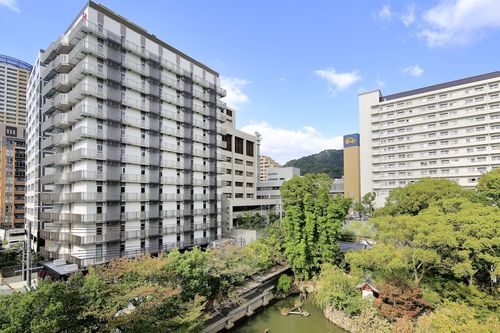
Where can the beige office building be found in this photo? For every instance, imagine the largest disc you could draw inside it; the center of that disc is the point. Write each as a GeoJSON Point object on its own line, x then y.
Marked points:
{"type": "Point", "coordinates": [449, 130]}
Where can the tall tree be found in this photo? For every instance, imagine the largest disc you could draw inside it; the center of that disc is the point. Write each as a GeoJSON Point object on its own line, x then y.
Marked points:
{"type": "Point", "coordinates": [312, 223]}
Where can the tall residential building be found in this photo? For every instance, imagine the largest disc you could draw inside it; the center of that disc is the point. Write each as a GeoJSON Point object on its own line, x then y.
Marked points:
{"type": "Point", "coordinates": [352, 184]}
{"type": "Point", "coordinates": [266, 163]}
{"type": "Point", "coordinates": [33, 153]}
{"type": "Point", "coordinates": [14, 75]}
{"type": "Point", "coordinates": [130, 156]}
{"type": "Point", "coordinates": [12, 180]}
{"type": "Point", "coordinates": [450, 130]}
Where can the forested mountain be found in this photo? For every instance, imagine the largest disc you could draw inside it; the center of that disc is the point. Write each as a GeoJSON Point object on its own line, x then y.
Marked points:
{"type": "Point", "coordinates": [330, 161]}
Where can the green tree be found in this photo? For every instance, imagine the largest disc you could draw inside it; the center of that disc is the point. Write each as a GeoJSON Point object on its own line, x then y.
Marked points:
{"type": "Point", "coordinates": [368, 202]}
{"type": "Point", "coordinates": [456, 317]}
{"type": "Point", "coordinates": [312, 223]}
{"type": "Point", "coordinates": [417, 196]}
{"type": "Point", "coordinates": [488, 188]}
{"type": "Point", "coordinates": [338, 290]}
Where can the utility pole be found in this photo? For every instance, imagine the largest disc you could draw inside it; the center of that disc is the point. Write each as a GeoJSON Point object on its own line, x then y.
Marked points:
{"type": "Point", "coordinates": [28, 256]}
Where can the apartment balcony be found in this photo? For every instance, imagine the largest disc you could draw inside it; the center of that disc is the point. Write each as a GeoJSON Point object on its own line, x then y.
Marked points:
{"type": "Point", "coordinates": [108, 237]}
{"type": "Point", "coordinates": [140, 196]}
{"type": "Point", "coordinates": [172, 131]}
{"type": "Point", "coordinates": [82, 49]}
{"type": "Point", "coordinates": [59, 120]}
{"type": "Point", "coordinates": [172, 99]}
{"type": "Point", "coordinates": [61, 102]}
{"type": "Point", "coordinates": [201, 241]}
{"type": "Point", "coordinates": [221, 92]}
{"type": "Point", "coordinates": [171, 230]}
{"type": "Point", "coordinates": [174, 165]}
{"type": "Point", "coordinates": [55, 140]}
{"type": "Point", "coordinates": [171, 197]}
{"type": "Point", "coordinates": [171, 82]}
{"type": "Point", "coordinates": [176, 180]}
{"type": "Point", "coordinates": [82, 110]}
{"type": "Point", "coordinates": [55, 235]}
{"type": "Point", "coordinates": [49, 253]}
{"type": "Point", "coordinates": [61, 45]}
{"type": "Point", "coordinates": [151, 178]}
{"type": "Point", "coordinates": [133, 216]}
{"type": "Point", "coordinates": [87, 89]}
{"type": "Point", "coordinates": [176, 213]}
{"type": "Point", "coordinates": [86, 67]}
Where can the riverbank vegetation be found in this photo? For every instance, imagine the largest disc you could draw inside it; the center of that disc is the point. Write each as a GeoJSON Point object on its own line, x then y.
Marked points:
{"type": "Point", "coordinates": [173, 292]}
{"type": "Point", "coordinates": [436, 260]}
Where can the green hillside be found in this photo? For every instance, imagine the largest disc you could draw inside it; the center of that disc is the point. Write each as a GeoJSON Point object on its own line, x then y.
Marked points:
{"type": "Point", "coordinates": [330, 161]}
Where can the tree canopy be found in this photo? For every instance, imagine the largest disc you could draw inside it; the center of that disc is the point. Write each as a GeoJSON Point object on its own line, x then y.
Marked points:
{"type": "Point", "coordinates": [413, 198]}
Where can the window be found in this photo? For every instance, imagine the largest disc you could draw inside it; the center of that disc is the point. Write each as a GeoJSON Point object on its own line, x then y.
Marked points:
{"type": "Point", "coordinates": [249, 148]}
{"type": "Point", "coordinates": [238, 145]}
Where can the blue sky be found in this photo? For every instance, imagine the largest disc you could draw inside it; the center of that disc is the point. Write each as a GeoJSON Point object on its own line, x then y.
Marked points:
{"type": "Point", "coordinates": [293, 69]}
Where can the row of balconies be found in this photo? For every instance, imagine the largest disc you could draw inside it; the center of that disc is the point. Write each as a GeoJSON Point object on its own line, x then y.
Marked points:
{"type": "Point", "coordinates": [458, 103]}
{"type": "Point", "coordinates": [80, 175]}
{"type": "Point", "coordinates": [117, 216]}
{"type": "Point", "coordinates": [441, 114]}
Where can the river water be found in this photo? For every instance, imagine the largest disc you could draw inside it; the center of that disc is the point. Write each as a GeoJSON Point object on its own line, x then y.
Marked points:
{"type": "Point", "coordinates": [270, 318]}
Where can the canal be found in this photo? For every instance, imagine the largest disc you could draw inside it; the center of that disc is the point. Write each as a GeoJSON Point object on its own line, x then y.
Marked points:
{"type": "Point", "coordinates": [270, 318]}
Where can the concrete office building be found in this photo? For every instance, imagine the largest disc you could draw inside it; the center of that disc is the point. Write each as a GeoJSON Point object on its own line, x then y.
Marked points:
{"type": "Point", "coordinates": [266, 163]}
{"type": "Point", "coordinates": [14, 75]}
{"type": "Point", "coordinates": [131, 149]}
{"type": "Point", "coordinates": [239, 191]}
{"type": "Point", "coordinates": [450, 130]}
{"type": "Point", "coordinates": [352, 186]}
{"type": "Point", "coordinates": [270, 189]}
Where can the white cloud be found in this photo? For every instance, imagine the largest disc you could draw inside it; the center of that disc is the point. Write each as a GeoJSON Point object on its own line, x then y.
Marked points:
{"type": "Point", "coordinates": [459, 22]}
{"type": "Point", "coordinates": [385, 12]}
{"type": "Point", "coordinates": [380, 83]}
{"type": "Point", "coordinates": [338, 81]}
{"type": "Point", "coordinates": [286, 144]}
{"type": "Point", "coordinates": [413, 70]}
{"type": "Point", "coordinates": [408, 17]}
{"type": "Point", "coordinates": [11, 4]}
{"type": "Point", "coordinates": [234, 88]}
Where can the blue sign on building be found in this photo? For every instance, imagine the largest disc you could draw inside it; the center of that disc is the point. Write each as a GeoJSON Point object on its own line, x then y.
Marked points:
{"type": "Point", "coordinates": [351, 140]}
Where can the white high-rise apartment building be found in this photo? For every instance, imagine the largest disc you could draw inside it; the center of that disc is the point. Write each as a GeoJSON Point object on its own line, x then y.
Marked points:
{"type": "Point", "coordinates": [450, 130]}
{"type": "Point", "coordinates": [131, 149]}
{"type": "Point", "coordinates": [33, 153]}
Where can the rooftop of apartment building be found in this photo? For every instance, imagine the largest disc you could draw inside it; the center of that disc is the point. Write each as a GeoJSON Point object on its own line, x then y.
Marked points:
{"type": "Point", "coordinates": [439, 86]}
{"type": "Point", "coordinates": [108, 12]}
{"type": "Point", "coordinates": [15, 62]}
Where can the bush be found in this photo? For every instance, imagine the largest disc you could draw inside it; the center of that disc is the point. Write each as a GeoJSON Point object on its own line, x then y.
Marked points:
{"type": "Point", "coordinates": [284, 283]}
{"type": "Point", "coordinates": [337, 289]}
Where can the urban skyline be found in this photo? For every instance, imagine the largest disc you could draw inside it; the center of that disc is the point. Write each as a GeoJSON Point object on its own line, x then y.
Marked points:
{"type": "Point", "coordinates": [407, 42]}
